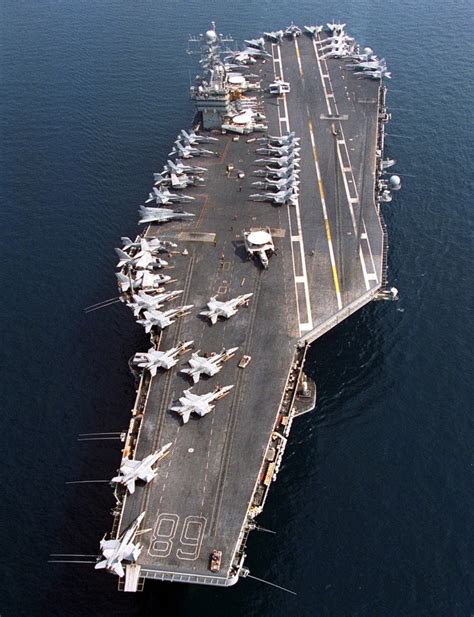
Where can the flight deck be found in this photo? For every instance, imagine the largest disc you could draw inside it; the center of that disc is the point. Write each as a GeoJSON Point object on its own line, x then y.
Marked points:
{"type": "Point", "coordinates": [328, 262]}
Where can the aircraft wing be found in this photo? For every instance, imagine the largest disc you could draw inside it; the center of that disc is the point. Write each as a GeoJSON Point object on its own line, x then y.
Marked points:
{"type": "Point", "coordinates": [128, 466]}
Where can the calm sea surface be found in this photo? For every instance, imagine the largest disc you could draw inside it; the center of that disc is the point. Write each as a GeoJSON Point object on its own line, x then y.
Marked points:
{"type": "Point", "coordinates": [374, 504]}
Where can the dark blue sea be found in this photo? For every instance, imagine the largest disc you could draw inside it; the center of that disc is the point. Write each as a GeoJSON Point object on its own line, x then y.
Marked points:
{"type": "Point", "coordinates": [374, 504]}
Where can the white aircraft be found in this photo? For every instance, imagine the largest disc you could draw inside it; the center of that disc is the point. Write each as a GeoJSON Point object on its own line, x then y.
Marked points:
{"type": "Point", "coordinates": [187, 152]}
{"type": "Point", "coordinates": [128, 282]}
{"type": "Point", "coordinates": [154, 359]}
{"type": "Point", "coordinates": [369, 65]}
{"type": "Point", "coordinates": [374, 74]}
{"type": "Point", "coordinates": [282, 172]}
{"type": "Point", "coordinates": [124, 548]}
{"type": "Point", "coordinates": [193, 138]}
{"type": "Point", "coordinates": [133, 470]}
{"type": "Point", "coordinates": [140, 260]}
{"type": "Point", "coordinates": [278, 140]}
{"type": "Point", "coordinates": [292, 31]}
{"type": "Point", "coordinates": [147, 244]}
{"type": "Point", "coordinates": [162, 319]}
{"type": "Point", "coordinates": [282, 161]}
{"type": "Point", "coordinates": [256, 43]}
{"type": "Point", "coordinates": [336, 28]}
{"type": "Point", "coordinates": [207, 365]}
{"type": "Point", "coordinates": [220, 308]}
{"type": "Point", "coordinates": [178, 167]}
{"type": "Point", "coordinates": [161, 215]}
{"type": "Point", "coordinates": [164, 197]}
{"type": "Point", "coordinates": [280, 198]}
{"type": "Point", "coordinates": [270, 150]}
{"type": "Point", "coordinates": [275, 36]}
{"type": "Point", "coordinates": [200, 404]}
{"type": "Point", "coordinates": [281, 184]}
{"type": "Point", "coordinates": [143, 301]}
{"type": "Point", "coordinates": [314, 30]}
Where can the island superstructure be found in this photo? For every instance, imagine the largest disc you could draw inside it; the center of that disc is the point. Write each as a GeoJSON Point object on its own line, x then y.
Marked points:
{"type": "Point", "coordinates": [263, 232]}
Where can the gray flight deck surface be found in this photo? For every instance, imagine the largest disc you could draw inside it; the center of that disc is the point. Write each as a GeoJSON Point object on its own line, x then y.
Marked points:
{"type": "Point", "coordinates": [200, 499]}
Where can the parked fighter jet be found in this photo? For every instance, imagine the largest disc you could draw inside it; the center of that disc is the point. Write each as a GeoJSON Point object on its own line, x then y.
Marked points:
{"type": "Point", "coordinates": [133, 470]}
{"type": "Point", "coordinates": [162, 319]}
{"type": "Point", "coordinates": [200, 404]}
{"type": "Point", "coordinates": [155, 359]}
{"type": "Point", "coordinates": [374, 74]}
{"type": "Point", "coordinates": [336, 28]}
{"type": "Point", "coordinates": [281, 184]}
{"type": "Point", "coordinates": [369, 65]}
{"type": "Point", "coordinates": [126, 283]}
{"type": "Point", "coordinates": [256, 43]}
{"type": "Point", "coordinates": [282, 161]}
{"type": "Point", "coordinates": [193, 138]}
{"type": "Point", "coordinates": [314, 30]}
{"type": "Point", "coordinates": [280, 198]}
{"type": "Point", "coordinates": [219, 308]}
{"type": "Point", "coordinates": [280, 140]}
{"type": "Point", "coordinates": [270, 150]}
{"type": "Point", "coordinates": [144, 302]}
{"type": "Point", "coordinates": [292, 31]}
{"type": "Point", "coordinates": [283, 172]}
{"type": "Point", "coordinates": [123, 548]}
{"type": "Point", "coordinates": [164, 197]}
{"type": "Point", "coordinates": [178, 167]}
{"type": "Point", "coordinates": [161, 215]}
{"type": "Point", "coordinates": [207, 365]}
{"type": "Point", "coordinates": [275, 36]}
{"type": "Point", "coordinates": [187, 151]}
{"type": "Point", "coordinates": [140, 260]}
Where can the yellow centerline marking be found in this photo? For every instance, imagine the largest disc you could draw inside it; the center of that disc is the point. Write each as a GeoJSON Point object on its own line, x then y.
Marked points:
{"type": "Point", "coordinates": [325, 215]}
{"type": "Point", "coordinates": [298, 56]}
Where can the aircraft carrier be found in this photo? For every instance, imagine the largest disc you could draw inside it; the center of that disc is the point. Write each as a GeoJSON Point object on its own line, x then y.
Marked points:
{"type": "Point", "coordinates": [299, 267]}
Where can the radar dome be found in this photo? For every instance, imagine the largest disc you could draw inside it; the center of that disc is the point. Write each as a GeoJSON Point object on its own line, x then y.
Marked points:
{"type": "Point", "coordinates": [395, 183]}
{"type": "Point", "coordinates": [211, 36]}
{"type": "Point", "coordinates": [368, 51]}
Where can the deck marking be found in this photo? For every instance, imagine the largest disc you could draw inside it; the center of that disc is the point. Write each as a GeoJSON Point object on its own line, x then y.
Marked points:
{"type": "Point", "coordinates": [298, 56]}
{"type": "Point", "coordinates": [300, 231]}
{"type": "Point", "coordinates": [325, 216]}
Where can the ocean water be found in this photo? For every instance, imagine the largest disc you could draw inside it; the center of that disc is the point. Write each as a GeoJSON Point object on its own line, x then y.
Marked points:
{"type": "Point", "coordinates": [373, 505]}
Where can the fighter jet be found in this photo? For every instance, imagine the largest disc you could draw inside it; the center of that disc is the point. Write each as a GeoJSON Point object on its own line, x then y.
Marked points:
{"type": "Point", "coordinates": [122, 549]}
{"type": "Point", "coordinates": [280, 140]}
{"type": "Point", "coordinates": [207, 365]}
{"type": "Point", "coordinates": [144, 302]}
{"type": "Point", "coordinates": [279, 150]}
{"type": "Point", "coordinates": [314, 30]}
{"type": "Point", "coordinates": [336, 28]}
{"type": "Point", "coordinates": [275, 36]}
{"type": "Point", "coordinates": [162, 319]}
{"type": "Point", "coordinates": [219, 308]}
{"type": "Point", "coordinates": [153, 282]}
{"type": "Point", "coordinates": [281, 184]}
{"type": "Point", "coordinates": [187, 151]}
{"type": "Point", "coordinates": [292, 31]}
{"type": "Point", "coordinates": [282, 161]}
{"type": "Point", "coordinates": [161, 215]}
{"type": "Point", "coordinates": [369, 65]}
{"type": "Point", "coordinates": [178, 167]}
{"type": "Point", "coordinates": [155, 359]}
{"type": "Point", "coordinates": [374, 74]}
{"type": "Point", "coordinates": [126, 283]}
{"type": "Point", "coordinates": [200, 404]}
{"type": "Point", "coordinates": [164, 197]}
{"type": "Point", "coordinates": [133, 470]}
{"type": "Point", "coordinates": [256, 43]}
{"type": "Point", "coordinates": [280, 198]}
{"type": "Point", "coordinates": [283, 172]}
{"type": "Point", "coordinates": [193, 138]}
{"type": "Point", "coordinates": [182, 181]}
